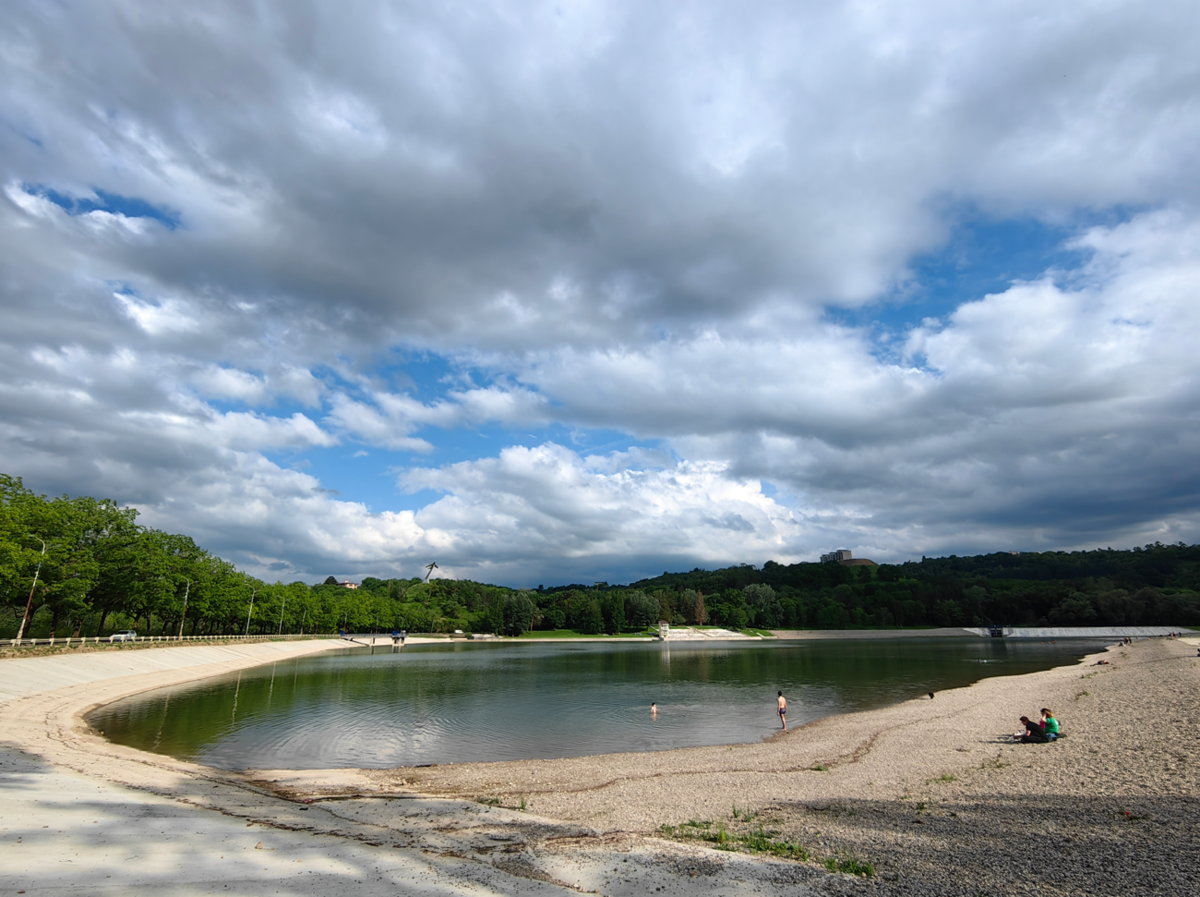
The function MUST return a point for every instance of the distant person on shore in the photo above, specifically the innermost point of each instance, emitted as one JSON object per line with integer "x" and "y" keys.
{"x": 781, "y": 709}
{"x": 1050, "y": 724}
{"x": 1034, "y": 732}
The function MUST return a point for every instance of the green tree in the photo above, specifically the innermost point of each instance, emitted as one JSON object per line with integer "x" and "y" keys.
{"x": 517, "y": 614}
{"x": 641, "y": 610}
{"x": 612, "y": 606}
{"x": 592, "y": 618}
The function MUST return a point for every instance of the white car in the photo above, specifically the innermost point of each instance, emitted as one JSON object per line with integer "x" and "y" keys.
{"x": 125, "y": 635}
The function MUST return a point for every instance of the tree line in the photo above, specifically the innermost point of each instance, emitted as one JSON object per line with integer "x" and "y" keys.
{"x": 83, "y": 566}
{"x": 1152, "y": 585}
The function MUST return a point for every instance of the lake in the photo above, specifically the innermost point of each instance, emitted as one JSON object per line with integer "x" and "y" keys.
{"x": 462, "y": 702}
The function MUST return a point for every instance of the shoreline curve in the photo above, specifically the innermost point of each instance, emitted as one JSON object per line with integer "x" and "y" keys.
{"x": 567, "y": 819}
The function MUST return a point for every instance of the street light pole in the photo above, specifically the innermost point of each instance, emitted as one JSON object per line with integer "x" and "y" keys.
{"x": 29, "y": 603}
{"x": 184, "y": 614}
{"x": 249, "y": 612}
{"x": 281, "y": 607}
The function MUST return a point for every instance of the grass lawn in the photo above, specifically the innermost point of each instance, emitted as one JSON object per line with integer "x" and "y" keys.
{"x": 571, "y": 633}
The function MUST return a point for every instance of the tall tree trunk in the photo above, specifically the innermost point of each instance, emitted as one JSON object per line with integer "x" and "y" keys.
{"x": 53, "y": 621}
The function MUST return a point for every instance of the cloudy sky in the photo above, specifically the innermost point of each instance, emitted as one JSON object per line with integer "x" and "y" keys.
{"x": 555, "y": 292}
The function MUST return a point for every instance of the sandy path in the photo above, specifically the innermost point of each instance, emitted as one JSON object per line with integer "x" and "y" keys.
{"x": 925, "y": 791}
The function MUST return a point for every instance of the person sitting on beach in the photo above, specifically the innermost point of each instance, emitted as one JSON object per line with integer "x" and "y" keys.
{"x": 1034, "y": 732}
{"x": 1050, "y": 724}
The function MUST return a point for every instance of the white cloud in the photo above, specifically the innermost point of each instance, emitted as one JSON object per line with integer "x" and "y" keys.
{"x": 242, "y": 430}
{"x": 611, "y": 217}
{"x": 548, "y": 506}
{"x": 388, "y": 419}
{"x": 229, "y": 383}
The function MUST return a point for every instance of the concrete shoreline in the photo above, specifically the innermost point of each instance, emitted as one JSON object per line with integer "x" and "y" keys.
{"x": 590, "y": 823}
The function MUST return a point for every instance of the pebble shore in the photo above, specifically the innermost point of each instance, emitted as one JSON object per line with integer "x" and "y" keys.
{"x": 930, "y": 794}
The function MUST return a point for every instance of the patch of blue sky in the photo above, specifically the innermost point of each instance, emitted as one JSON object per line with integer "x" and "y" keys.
{"x": 371, "y": 474}
{"x": 368, "y": 473}
{"x": 982, "y": 256}
{"x": 103, "y": 201}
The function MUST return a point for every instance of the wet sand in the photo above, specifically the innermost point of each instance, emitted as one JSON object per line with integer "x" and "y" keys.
{"x": 928, "y": 792}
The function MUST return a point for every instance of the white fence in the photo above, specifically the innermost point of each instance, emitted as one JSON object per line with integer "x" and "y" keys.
{"x": 156, "y": 639}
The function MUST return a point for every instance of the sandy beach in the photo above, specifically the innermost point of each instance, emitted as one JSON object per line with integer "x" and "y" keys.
{"x": 929, "y": 793}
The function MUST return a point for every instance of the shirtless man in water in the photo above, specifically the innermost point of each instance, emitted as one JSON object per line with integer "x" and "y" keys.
{"x": 782, "y": 710}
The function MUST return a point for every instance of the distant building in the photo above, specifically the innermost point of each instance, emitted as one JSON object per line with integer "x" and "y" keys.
{"x": 846, "y": 559}
{"x": 836, "y": 557}
{"x": 347, "y": 584}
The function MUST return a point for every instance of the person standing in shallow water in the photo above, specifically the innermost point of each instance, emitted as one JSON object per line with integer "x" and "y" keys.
{"x": 782, "y": 710}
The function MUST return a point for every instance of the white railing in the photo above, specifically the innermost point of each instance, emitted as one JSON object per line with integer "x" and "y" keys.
{"x": 151, "y": 639}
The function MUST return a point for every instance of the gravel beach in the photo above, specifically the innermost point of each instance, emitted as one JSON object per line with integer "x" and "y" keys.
{"x": 929, "y": 794}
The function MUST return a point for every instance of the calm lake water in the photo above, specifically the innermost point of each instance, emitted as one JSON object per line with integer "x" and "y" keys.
{"x": 466, "y": 702}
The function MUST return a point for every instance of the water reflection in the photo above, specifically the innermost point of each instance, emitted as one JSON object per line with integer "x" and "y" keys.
{"x": 462, "y": 702}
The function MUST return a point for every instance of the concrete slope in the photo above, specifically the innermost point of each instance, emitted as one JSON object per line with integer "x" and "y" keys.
{"x": 1065, "y": 632}
{"x": 23, "y": 676}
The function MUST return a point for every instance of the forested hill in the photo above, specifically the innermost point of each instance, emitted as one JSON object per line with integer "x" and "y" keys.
{"x": 85, "y": 566}
{"x": 1157, "y": 584}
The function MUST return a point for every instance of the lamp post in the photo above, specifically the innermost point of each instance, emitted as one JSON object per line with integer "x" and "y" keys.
{"x": 184, "y": 614}
{"x": 281, "y": 607}
{"x": 29, "y": 603}
{"x": 249, "y": 612}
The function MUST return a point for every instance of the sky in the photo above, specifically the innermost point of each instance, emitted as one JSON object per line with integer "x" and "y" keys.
{"x": 552, "y": 292}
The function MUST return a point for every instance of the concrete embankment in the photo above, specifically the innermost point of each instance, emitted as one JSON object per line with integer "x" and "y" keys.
{"x": 1017, "y": 632}
{"x": 1065, "y": 632}
{"x": 851, "y": 634}
{"x": 24, "y": 676}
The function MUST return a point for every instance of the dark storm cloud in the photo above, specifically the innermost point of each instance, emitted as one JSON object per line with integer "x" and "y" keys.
{"x": 402, "y": 171}
{"x": 628, "y": 216}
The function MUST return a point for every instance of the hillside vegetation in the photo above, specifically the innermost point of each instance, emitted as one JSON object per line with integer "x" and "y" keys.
{"x": 97, "y": 569}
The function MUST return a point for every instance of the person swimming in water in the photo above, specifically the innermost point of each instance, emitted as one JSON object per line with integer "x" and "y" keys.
{"x": 782, "y": 710}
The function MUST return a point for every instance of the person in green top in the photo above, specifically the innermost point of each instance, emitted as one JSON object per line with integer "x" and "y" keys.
{"x": 1050, "y": 723}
